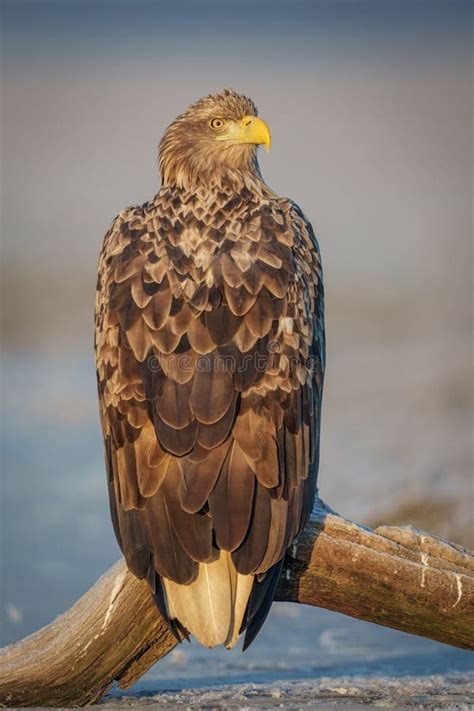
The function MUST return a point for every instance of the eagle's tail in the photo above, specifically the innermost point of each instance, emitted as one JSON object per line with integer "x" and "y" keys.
{"x": 212, "y": 607}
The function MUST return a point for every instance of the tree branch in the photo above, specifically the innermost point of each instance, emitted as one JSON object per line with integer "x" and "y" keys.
{"x": 399, "y": 577}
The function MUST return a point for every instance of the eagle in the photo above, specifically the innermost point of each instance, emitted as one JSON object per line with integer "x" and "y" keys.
{"x": 210, "y": 352}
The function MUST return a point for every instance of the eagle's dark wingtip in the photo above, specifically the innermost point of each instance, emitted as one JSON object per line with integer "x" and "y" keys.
{"x": 177, "y": 630}
{"x": 259, "y": 604}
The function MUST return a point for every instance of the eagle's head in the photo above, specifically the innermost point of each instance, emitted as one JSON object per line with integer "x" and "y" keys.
{"x": 213, "y": 142}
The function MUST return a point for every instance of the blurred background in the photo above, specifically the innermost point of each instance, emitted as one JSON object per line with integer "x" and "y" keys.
{"x": 370, "y": 107}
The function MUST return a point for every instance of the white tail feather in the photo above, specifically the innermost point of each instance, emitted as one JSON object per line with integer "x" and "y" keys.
{"x": 212, "y": 606}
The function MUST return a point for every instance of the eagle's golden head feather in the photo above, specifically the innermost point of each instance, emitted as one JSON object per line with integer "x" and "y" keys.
{"x": 214, "y": 141}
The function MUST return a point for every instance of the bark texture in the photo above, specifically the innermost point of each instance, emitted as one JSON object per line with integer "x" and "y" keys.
{"x": 399, "y": 577}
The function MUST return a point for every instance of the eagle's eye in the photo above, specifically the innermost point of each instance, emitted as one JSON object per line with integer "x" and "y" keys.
{"x": 217, "y": 123}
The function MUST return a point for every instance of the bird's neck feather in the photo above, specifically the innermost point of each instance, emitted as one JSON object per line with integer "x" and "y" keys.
{"x": 196, "y": 170}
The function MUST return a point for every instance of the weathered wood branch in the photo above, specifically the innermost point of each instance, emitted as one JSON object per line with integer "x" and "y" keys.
{"x": 395, "y": 576}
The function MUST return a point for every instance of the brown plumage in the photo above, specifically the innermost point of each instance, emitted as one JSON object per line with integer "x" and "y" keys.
{"x": 210, "y": 363}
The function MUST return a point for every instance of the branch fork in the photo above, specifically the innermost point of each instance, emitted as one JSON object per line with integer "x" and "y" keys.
{"x": 399, "y": 577}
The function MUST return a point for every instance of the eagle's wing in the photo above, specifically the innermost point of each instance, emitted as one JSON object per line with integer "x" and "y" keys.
{"x": 210, "y": 361}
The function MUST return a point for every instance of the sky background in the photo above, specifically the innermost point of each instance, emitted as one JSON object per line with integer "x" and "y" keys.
{"x": 370, "y": 108}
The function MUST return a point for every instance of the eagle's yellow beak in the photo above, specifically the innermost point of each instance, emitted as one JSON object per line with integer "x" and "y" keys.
{"x": 250, "y": 129}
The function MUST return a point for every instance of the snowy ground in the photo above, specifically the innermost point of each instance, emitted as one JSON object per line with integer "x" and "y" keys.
{"x": 433, "y": 692}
